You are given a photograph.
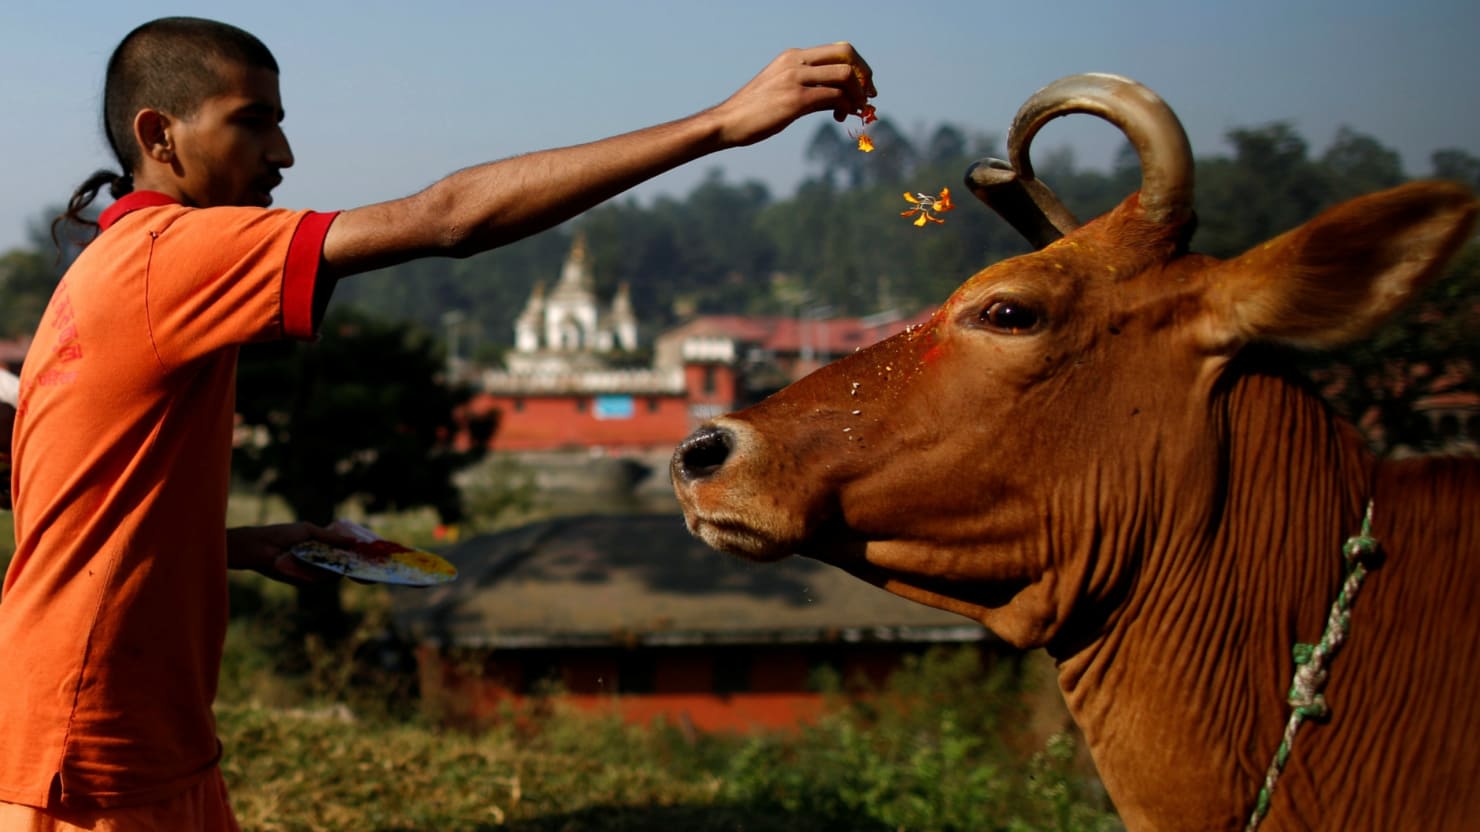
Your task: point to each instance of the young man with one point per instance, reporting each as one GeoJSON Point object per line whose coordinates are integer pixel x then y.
{"type": "Point", "coordinates": [114, 606]}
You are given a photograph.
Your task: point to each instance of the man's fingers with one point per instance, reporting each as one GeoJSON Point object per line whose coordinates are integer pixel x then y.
{"type": "Point", "coordinates": [296, 571]}
{"type": "Point", "coordinates": [842, 54]}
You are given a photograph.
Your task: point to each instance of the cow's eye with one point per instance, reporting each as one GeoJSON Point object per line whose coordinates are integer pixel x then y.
{"type": "Point", "coordinates": [1009, 316]}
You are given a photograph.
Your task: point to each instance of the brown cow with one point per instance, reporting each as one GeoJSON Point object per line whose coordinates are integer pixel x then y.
{"type": "Point", "coordinates": [1092, 449]}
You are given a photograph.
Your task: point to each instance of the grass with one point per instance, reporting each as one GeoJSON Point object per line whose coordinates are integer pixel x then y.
{"type": "Point", "coordinates": [314, 769]}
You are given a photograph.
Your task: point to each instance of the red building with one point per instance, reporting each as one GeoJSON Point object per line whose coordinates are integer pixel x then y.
{"type": "Point", "coordinates": [634, 616]}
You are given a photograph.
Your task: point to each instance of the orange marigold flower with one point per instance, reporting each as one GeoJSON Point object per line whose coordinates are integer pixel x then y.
{"type": "Point", "coordinates": [865, 141]}
{"type": "Point", "coordinates": [927, 207]}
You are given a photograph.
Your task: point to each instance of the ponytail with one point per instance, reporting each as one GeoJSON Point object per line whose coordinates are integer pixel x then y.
{"type": "Point", "coordinates": [118, 185]}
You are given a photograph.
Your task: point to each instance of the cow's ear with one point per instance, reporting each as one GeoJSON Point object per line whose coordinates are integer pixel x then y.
{"type": "Point", "coordinates": [1338, 276]}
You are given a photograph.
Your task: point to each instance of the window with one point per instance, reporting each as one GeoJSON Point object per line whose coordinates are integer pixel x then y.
{"type": "Point", "coordinates": [731, 671]}
{"type": "Point", "coordinates": [540, 674]}
{"type": "Point", "coordinates": [636, 671]}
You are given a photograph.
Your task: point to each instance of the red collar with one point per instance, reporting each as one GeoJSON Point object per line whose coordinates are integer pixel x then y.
{"type": "Point", "coordinates": [132, 202]}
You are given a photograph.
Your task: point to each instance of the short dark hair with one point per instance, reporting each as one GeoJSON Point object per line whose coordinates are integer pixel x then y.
{"type": "Point", "coordinates": [171, 64]}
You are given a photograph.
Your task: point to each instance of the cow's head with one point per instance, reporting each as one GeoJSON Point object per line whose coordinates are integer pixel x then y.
{"type": "Point", "coordinates": [1057, 414]}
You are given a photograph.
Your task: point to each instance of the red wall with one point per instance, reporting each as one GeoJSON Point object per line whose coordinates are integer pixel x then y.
{"type": "Point", "coordinates": [538, 423]}
{"type": "Point", "coordinates": [715, 384]}
{"type": "Point", "coordinates": [680, 684]}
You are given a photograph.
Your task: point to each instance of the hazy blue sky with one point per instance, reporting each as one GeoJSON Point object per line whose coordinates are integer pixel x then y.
{"type": "Point", "coordinates": [385, 97]}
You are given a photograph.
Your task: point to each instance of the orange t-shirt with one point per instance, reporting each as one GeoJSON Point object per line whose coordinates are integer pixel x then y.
{"type": "Point", "coordinates": [113, 611]}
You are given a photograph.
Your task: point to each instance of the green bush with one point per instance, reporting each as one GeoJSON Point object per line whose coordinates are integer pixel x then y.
{"type": "Point", "coordinates": [928, 752]}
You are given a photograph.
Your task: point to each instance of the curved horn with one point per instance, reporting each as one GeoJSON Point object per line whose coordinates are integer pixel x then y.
{"type": "Point", "coordinates": [1027, 204]}
{"type": "Point", "coordinates": [1146, 120]}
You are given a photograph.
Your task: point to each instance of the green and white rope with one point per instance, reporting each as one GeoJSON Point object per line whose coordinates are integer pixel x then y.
{"type": "Point", "coordinates": [1306, 698]}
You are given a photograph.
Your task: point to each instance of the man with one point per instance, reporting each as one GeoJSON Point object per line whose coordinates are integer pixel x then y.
{"type": "Point", "coordinates": [114, 605]}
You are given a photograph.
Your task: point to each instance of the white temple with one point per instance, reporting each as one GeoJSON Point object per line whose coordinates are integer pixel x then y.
{"type": "Point", "coordinates": [564, 339]}
{"type": "Point", "coordinates": [566, 329]}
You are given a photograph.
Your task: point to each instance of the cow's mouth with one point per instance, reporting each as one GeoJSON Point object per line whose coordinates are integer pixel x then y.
{"type": "Point", "coordinates": [734, 536]}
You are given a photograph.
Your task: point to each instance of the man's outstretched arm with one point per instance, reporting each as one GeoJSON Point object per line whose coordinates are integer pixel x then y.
{"type": "Point", "coordinates": [482, 207]}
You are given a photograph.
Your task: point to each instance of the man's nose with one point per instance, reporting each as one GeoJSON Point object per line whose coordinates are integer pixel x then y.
{"type": "Point", "coordinates": [281, 154]}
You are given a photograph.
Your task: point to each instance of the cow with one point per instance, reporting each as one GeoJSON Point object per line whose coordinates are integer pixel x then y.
{"type": "Point", "coordinates": [1099, 448]}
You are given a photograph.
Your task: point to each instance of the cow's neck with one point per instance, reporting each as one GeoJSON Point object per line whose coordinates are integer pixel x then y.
{"type": "Point", "coordinates": [1194, 660]}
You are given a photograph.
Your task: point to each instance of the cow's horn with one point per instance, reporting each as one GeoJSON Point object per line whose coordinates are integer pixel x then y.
{"type": "Point", "coordinates": [1146, 120]}
{"type": "Point", "coordinates": [1027, 204]}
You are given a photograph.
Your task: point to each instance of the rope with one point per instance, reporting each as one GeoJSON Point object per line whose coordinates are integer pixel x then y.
{"type": "Point", "coordinates": [1305, 697]}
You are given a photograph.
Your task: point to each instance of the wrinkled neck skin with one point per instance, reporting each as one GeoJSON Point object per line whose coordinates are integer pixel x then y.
{"type": "Point", "coordinates": [1177, 664]}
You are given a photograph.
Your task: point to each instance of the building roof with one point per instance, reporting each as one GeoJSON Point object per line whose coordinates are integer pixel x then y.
{"type": "Point", "coordinates": [598, 580]}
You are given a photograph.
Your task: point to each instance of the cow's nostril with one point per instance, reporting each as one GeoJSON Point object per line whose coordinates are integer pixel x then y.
{"type": "Point", "coordinates": [704, 452]}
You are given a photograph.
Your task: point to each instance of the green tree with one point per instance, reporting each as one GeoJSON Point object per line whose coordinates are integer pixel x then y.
{"type": "Point", "coordinates": [28, 275]}
{"type": "Point", "coordinates": [1358, 164]}
{"type": "Point", "coordinates": [1452, 163]}
{"type": "Point", "coordinates": [362, 413]}
{"type": "Point", "coordinates": [1268, 187]}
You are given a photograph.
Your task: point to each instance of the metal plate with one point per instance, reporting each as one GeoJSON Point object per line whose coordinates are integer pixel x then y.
{"type": "Point", "coordinates": [376, 560]}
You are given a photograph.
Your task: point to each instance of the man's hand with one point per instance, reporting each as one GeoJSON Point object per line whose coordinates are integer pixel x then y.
{"type": "Point", "coordinates": [799, 81]}
{"type": "Point", "coordinates": [264, 549]}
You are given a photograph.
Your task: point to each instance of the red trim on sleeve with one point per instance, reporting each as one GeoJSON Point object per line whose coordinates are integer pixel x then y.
{"type": "Point", "coordinates": [132, 202]}
{"type": "Point", "coordinates": [300, 273]}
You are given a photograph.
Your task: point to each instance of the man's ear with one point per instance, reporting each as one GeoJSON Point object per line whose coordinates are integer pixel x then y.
{"type": "Point", "coordinates": [1340, 275]}
{"type": "Point", "coordinates": [152, 132]}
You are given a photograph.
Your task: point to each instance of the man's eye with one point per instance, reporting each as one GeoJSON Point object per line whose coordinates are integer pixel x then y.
{"type": "Point", "coordinates": [1009, 316]}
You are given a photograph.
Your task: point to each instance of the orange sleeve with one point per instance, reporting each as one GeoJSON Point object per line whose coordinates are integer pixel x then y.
{"type": "Point", "coordinates": [218, 277]}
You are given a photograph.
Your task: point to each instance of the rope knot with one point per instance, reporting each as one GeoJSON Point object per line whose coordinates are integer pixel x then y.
{"type": "Point", "coordinates": [1362, 548]}
{"type": "Point", "coordinates": [1305, 695]}
{"type": "Point", "coordinates": [1308, 703]}
{"type": "Point", "coordinates": [1303, 653]}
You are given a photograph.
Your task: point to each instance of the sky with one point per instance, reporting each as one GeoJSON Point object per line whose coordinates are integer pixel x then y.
{"type": "Point", "coordinates": [383, 98]}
